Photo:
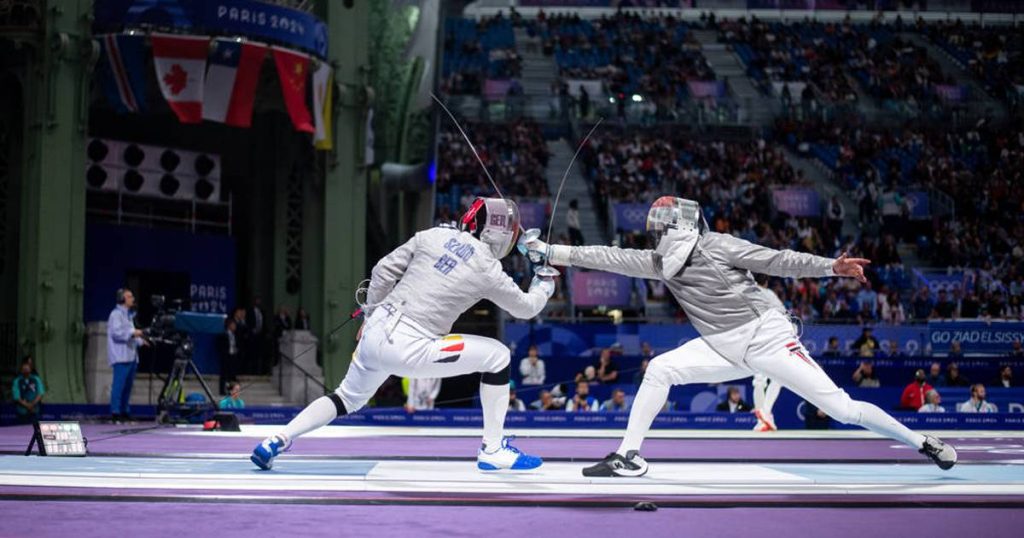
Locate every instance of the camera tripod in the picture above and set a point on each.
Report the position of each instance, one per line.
(172, 397)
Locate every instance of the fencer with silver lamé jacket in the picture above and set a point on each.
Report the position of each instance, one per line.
(440, 273)
(715, 287)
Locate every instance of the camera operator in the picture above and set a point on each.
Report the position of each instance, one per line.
(123, 341)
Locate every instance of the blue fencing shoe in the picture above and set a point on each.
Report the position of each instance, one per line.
(506, 457)
(264, 453)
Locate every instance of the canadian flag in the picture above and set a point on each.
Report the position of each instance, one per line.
(180, 62)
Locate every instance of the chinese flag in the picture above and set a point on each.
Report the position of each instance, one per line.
(293, 70)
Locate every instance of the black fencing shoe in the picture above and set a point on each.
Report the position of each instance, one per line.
(942, 454)
(615, 465)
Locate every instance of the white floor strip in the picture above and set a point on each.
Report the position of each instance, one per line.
(554, 478)
(262, 431)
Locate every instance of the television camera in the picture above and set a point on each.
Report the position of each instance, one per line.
(165, 329)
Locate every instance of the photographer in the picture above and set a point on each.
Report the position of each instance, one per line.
(123, 341)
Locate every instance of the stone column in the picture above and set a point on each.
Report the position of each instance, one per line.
(300, 347)
(98, 374)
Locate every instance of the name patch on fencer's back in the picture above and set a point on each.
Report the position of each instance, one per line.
(463, 251)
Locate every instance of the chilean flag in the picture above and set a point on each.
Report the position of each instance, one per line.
(231, 81)
(180, 63)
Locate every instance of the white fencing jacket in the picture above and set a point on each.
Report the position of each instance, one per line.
(440, 273)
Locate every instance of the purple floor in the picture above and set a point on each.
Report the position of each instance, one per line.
(177, 520)
(104, 440)
(88, 513)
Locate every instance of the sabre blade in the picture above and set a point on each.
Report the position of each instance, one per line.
(547, 270)
(471, 146)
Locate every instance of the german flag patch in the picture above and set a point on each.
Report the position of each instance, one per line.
(453, 343)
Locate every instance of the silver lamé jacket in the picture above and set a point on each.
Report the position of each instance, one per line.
(715, 287)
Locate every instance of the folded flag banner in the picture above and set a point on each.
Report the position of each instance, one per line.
(122, 71)
(180, 63)
(322, 90)
(293, 70)
(231, 78)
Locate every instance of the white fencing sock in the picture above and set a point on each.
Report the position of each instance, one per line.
(494, 400)
(880, 422)
(319, 413)
(649, 401)
(771, 393)
(759, 390)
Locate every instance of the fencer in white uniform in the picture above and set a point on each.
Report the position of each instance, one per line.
(742, 330)
(414, 296)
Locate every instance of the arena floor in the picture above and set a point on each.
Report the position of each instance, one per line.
(342, 480)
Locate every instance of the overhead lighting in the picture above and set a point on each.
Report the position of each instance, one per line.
(97, 150)
(133, 155)
(204, 165)
(169, 185)
(133, 181)
(96, 176)
(637, 98)
(203, 189)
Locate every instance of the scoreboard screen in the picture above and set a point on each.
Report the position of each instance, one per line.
(62, 439)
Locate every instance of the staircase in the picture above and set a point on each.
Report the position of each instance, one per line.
(816, 173)
(575, 189)
(256, 390)
(538, 73)
(868, 105)
(759, 109)
(979, 97)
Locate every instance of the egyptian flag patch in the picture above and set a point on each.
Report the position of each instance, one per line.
(799, 352)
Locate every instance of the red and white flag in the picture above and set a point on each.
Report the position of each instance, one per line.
(231, 81)
(293, 70)
(180, 62)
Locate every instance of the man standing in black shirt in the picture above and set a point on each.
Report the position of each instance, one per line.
(944, 308)
(970, 307)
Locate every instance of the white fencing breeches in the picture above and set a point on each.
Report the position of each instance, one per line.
(404, 349)
(775, 351)
(390, 346)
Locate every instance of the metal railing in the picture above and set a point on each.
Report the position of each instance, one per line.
(723, 111)
(127, 208)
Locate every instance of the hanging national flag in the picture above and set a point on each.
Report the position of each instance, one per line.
(231, 78)
(180, 63)
(293, 70)
(322, 90)
(122, 71)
